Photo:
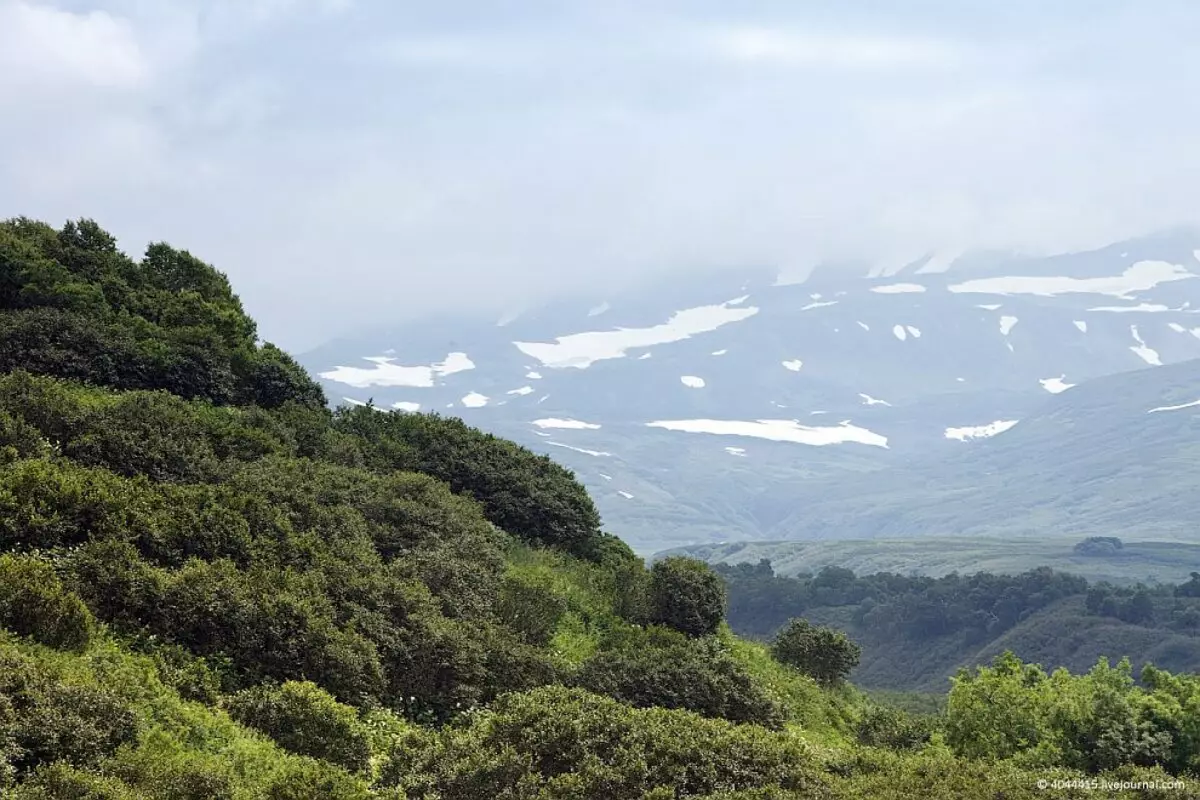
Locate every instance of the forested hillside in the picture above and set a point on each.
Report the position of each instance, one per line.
(915, 632)
(213, 586)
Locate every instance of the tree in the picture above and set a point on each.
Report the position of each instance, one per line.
(824, 654)
(685, 594)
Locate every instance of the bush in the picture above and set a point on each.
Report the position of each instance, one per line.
(570, 743)
(824, 654)
(305, 719)
(698, 675)
(881, 726)
(685, 594)
(34, 603)
(530, 608)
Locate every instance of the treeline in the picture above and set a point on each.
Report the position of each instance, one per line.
(975, 607)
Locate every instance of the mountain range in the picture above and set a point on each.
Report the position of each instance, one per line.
(984, 394)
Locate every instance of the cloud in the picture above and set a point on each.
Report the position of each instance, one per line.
(45, 48)
(354, 163)
(791, 48)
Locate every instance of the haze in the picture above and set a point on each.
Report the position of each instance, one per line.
(355, 161)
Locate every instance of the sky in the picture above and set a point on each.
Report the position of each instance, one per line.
(355, 162)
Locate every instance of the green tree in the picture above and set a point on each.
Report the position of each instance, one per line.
(685, 594)
(824, 654)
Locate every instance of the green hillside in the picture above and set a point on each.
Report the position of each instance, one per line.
(935, 556)
(213, 586)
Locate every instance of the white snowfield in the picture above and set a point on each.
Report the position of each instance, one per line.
(692, 381)
(581, 350)
(567, 424)
(1055, 385)
(599, 453)
(898, 288)
(386, 373)
(1147, 354)
(474, 400)
(406, 405)
(1138, 278)
(1179, 407)
(794, 365)
(779, 430)
(980, 431)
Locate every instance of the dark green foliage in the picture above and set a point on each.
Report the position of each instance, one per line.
(304, 719)
(824, 654)
(51, 719)
(569, 743)
(525, 494)
(60, 780)
(685, 594)
(34, 603)
(74, 307)
(881, 726)
(313, 780)
(530, 608)
(674, 671)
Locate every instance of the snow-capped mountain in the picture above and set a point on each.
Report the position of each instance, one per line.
(701, 412)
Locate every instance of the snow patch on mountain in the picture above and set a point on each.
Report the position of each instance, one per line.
(899, 332)
(386, 373)
(1081, 325)
(1143, 307)
(1138, 278)
(779, 430)
(898, 288)
(1192, 404)
(794, 365)
(736, 451)
(598, 310)
(524, 390)
(1147, 354)
(873, 401)
(1055, 385)
(586, 452)
(474, 400)
(980, 431)
(581, 350)
(406, 405)
(692, 381)
(568, 424)
(1006, 324)
(818, 304)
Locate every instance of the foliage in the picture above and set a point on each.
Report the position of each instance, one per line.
(668, 670)
(34, 603)
(824, 654)
(305, 719)
(685, 594)
(568, 743)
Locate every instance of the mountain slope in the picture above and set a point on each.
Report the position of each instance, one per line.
(701, 411)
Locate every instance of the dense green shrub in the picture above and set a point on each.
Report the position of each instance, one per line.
(685, 594)
(560, 743)
(525, 494)
(529, 607)
(881, 726)
(824, 654)
(678, 672)
(34, 603)
(305, 719)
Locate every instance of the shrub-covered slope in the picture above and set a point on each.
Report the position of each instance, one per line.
(212, 586)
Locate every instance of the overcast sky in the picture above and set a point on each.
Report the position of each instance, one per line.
(354, 161)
